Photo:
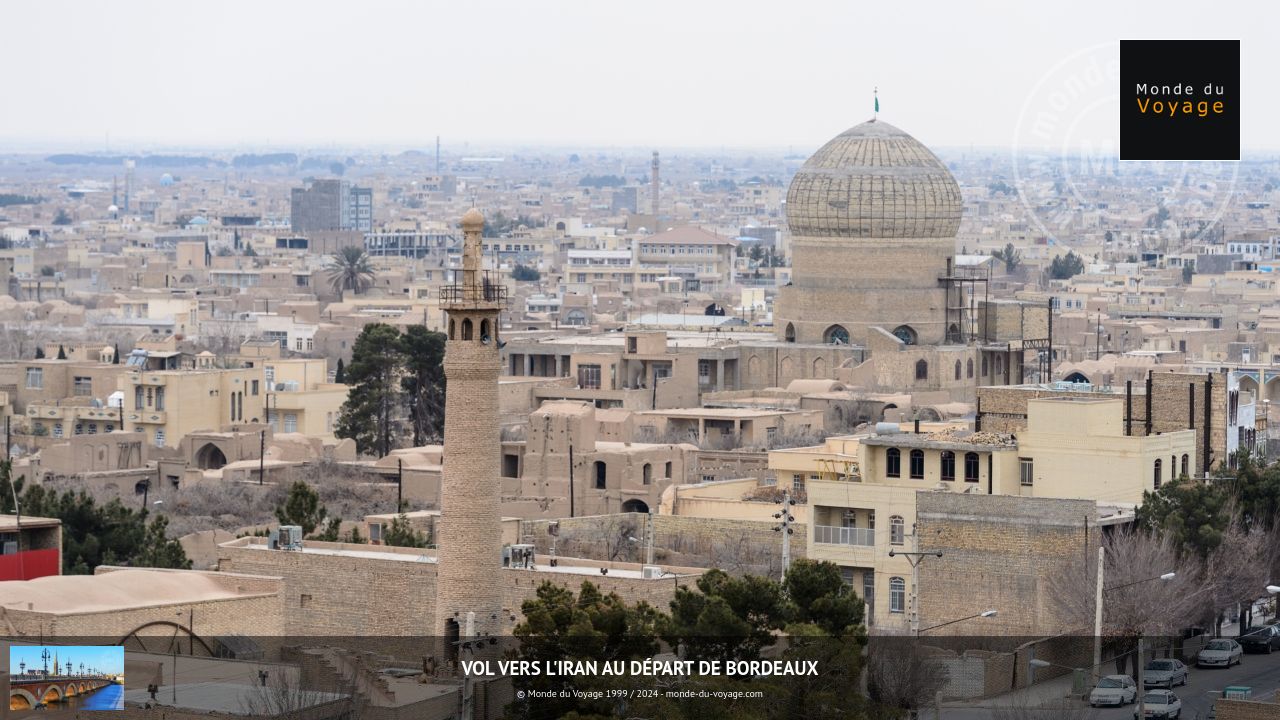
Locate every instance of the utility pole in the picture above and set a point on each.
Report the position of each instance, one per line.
(915, 557)
(1142, 705)
(648, 540)
(262, 455)
(784, 526)
(1097, 617)
(399, 484)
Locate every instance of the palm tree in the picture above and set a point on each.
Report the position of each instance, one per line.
(351, 270)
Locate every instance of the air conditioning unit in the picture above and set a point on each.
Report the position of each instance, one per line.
(651, 572)
(290, 537)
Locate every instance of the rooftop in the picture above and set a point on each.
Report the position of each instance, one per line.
(9, 523)
(113, 591)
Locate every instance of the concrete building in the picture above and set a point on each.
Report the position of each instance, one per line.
(331, 204)
(30, 547)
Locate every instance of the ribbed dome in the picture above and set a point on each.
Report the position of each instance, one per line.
(874, 181)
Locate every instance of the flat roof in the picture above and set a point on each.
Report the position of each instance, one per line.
(10, 523)
(225, 697)
(113, 591)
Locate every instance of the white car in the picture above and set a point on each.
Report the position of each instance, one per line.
(1164, 673)
(1222, 652)
(1114, 690)
(1160, 704)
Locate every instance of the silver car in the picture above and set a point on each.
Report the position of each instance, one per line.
(1114, 690)
(1160, 704)
(1222, 652)
(1164, 673)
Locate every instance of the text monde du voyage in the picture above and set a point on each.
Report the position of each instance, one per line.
(1180, 99)
(572, 668)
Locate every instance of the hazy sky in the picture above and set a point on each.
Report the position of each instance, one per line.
(693, 73)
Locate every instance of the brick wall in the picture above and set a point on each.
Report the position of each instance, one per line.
(998, 553)
(1247, 710)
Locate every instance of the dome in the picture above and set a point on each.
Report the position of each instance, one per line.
(874, 181)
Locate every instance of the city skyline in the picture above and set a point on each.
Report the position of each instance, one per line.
(409, 73)
(108, 659)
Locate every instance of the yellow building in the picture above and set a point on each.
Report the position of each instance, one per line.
(165, 405)
(300, 397)
(861, 492)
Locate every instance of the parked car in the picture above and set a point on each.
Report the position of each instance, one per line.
(1114, 690)
(1263, 639)
(1222, 652)
(1164, 673)
(1160, 704)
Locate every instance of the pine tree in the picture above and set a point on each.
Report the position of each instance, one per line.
(39, 353)
(62, 353)
(115, 360)
(340, 375)
(372, 408)
(302, 508)
(423, 382)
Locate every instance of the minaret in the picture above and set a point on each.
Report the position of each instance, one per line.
(470, 546)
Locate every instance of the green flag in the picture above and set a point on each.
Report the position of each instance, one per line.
(877, 103)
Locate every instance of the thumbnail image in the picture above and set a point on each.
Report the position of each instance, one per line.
(65, 678)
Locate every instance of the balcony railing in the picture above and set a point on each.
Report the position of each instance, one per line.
(485, 292)
(832, 535)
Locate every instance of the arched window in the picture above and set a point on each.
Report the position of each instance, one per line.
(790, 333)
(999, 364)
(971, 467)
(893, 463)
(922, 369)
(906, 334)
(836, 335)
(648, 474)
(968, 371)
(957, 369)
(484, 331)
(453, 332)
(600, 475)
(897, 530)
(1185, 461)
(948, 465)
(1157, 474)
(917, 464)
(984, 366)
(953, 333)
(466, 329)
(897, 595)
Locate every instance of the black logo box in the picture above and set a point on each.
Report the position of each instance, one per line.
(1185, 65)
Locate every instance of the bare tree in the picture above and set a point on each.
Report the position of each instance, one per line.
(900, 675)
(1136, 602)
(283, 695)
(1236, 571)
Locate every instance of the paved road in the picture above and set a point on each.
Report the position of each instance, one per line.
(1260, 672)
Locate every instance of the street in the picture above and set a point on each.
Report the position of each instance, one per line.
(1260, 672)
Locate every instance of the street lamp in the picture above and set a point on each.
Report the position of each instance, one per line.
(983, 614)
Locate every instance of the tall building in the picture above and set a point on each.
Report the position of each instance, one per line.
(470, 544)
(873, 217)
(331, 204)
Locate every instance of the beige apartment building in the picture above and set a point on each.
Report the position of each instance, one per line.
(300, 398)
(166, 405)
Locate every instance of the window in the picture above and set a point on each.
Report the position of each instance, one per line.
(893, 463)
(297, 344)
(797, 483)
(1026, 472)
(253, 387)
(957, 369)
(1157, 474)
(917, 464)
(948, 465)
(984, 365)
(969, 368)
(668, 470)
(836, 335)
(79, 428)
(704, 371)
(159, 398)
(375, 532)
(1185, 460)
(922, 370)
(160, 437)
(269, 373)
(869, 593)
(897, 530)
(646, 476)
(589, 377)
(971, 467)
(57, 430)
(35, 379)
(291, 422)
(897, 595)
(137, 398)
(82, 387)
(846, 574)
(600, 475)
